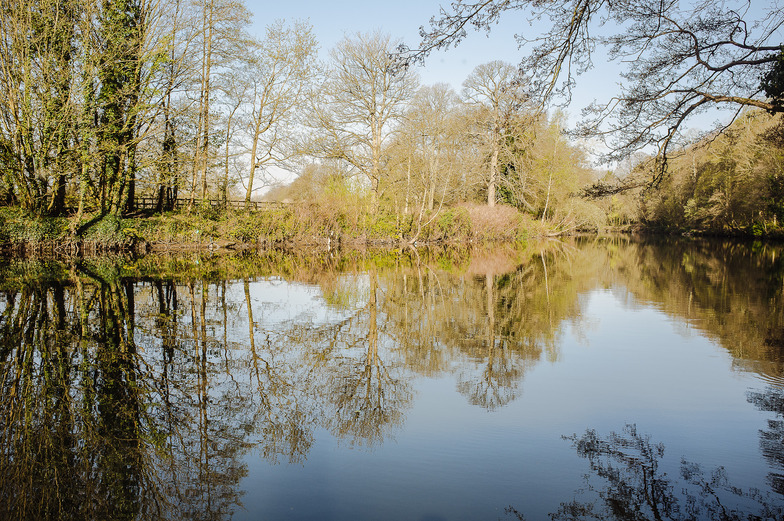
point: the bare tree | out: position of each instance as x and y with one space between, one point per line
681 58
427 147
234 91
363 97
279 72
222 36
176 70
497 94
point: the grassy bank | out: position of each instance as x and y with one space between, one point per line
21 233
292 225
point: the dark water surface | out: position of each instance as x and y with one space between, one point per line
602 378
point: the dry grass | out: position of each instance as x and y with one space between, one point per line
498 223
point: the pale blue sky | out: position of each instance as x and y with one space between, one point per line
402 19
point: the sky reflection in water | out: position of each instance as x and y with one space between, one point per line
398 386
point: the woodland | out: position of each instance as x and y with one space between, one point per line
127 120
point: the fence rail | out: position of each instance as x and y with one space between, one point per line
151 203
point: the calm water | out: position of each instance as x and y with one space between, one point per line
586 379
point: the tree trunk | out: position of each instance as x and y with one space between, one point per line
206 94
253 163
493 178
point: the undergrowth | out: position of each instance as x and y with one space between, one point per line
293 223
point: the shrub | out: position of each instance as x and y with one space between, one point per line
496 223
104 229
16 226
383 226
454 224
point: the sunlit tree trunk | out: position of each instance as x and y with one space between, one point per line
551 166
207 70
492 177
224 189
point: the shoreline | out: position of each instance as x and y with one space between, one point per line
285 229
75 248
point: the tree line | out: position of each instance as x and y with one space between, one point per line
105 100
102 102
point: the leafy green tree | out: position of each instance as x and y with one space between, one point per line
729 182
773 81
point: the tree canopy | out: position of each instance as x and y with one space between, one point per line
680 57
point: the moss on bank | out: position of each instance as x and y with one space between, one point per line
20 233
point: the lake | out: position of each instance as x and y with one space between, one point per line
585 378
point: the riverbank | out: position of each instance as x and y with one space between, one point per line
290 226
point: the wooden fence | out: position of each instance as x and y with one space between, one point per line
151 203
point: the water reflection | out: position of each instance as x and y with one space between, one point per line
76 425
729 291
627 483
772 438
136 389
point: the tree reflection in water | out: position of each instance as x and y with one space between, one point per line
350 373
364 396
122 399
772 438
141 396
628 484
91 426
73 414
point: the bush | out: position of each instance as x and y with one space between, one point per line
453 224
496 223
105 229
16 226
383 226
